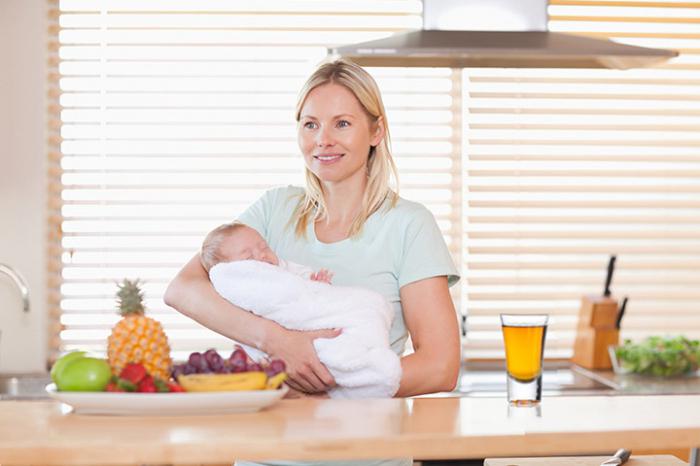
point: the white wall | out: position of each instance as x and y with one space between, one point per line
23 38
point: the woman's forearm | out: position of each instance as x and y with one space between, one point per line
192 294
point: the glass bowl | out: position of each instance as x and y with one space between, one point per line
615 361
656 357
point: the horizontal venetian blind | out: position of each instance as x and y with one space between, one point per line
170 117
566 167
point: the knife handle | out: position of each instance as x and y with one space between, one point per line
623 454
608 278
621 313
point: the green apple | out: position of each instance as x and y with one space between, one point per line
62 362
84 375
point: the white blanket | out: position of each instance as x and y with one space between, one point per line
360 359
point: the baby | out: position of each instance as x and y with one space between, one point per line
238 242
246 272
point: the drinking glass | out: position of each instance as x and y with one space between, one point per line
523 335
522 412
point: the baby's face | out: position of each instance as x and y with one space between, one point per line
247 244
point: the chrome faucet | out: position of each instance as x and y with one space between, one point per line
19 281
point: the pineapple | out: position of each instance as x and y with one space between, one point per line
137 338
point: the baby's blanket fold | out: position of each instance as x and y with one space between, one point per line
360 359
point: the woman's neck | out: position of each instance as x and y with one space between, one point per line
343 203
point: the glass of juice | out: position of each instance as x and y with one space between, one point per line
523 336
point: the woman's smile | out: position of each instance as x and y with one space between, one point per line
327 159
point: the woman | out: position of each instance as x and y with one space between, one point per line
348 220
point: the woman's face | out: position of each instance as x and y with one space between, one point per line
335 135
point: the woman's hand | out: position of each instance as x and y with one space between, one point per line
293 394
296 348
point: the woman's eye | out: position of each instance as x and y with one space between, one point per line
310 125
343 123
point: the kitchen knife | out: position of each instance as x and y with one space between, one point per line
621 313
620 457
608 279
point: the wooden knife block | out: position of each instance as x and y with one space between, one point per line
595 332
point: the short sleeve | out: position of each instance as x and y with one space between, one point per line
424 252
257 215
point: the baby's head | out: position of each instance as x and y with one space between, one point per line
235 242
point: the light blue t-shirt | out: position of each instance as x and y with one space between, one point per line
397 246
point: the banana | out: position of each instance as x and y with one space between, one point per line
223 382
274 382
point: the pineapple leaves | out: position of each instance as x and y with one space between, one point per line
130 297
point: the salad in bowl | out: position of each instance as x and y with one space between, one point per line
657 356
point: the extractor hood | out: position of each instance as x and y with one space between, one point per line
496 33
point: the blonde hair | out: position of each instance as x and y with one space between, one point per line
380 166
212 253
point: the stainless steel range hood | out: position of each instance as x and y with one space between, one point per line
496 33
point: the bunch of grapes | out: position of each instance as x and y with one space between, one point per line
211 362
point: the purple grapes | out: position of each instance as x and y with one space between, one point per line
254 367
183 369
238 354
238 360
275 367
238 365
195 359
212 362
178 370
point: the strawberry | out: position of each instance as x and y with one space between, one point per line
114 387
146 385
161 385
175 387
125 386
133 373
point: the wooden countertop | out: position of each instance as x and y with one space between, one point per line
33 432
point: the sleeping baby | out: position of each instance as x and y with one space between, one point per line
245 271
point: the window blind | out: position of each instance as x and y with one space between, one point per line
168 118
566 167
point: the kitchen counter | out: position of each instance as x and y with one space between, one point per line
559 378
632 384
43 432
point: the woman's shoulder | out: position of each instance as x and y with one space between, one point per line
286 190
407 210
403 219
283 195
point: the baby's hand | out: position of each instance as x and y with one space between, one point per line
322 275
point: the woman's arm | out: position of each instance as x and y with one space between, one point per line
192 294
432 323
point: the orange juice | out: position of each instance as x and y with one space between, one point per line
524 347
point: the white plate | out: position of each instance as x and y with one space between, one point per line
167 404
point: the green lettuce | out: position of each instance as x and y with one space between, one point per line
660 356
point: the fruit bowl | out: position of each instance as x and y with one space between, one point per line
657 356
167 404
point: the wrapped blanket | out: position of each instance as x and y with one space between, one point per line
360 359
